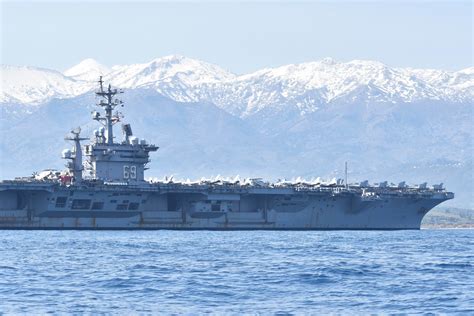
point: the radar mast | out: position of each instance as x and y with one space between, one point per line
108 103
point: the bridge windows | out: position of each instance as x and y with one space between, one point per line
97 205
133 206
81 204
121 207
61 201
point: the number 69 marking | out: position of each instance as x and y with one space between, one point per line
129 172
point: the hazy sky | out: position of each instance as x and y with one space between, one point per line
239 36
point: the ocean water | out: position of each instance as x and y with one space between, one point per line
256 272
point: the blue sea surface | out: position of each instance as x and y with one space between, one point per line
267 272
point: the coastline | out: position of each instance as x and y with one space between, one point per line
449 218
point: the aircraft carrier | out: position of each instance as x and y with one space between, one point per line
104 187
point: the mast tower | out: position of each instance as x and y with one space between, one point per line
108 103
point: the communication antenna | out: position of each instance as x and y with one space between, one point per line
345 181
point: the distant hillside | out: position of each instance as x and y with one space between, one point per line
449 218
393 124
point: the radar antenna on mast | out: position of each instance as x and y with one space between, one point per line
76 165
101 83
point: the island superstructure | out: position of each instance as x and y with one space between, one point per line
104 187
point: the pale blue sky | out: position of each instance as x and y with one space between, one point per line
239 36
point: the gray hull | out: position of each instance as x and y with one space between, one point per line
40 205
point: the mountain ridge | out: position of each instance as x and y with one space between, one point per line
189 80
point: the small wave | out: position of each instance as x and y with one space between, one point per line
314 278
454 265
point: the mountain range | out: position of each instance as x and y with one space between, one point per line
296 120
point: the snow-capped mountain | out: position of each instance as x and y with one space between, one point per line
87 70
177 77
296 120
309 86
32 85
306 86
